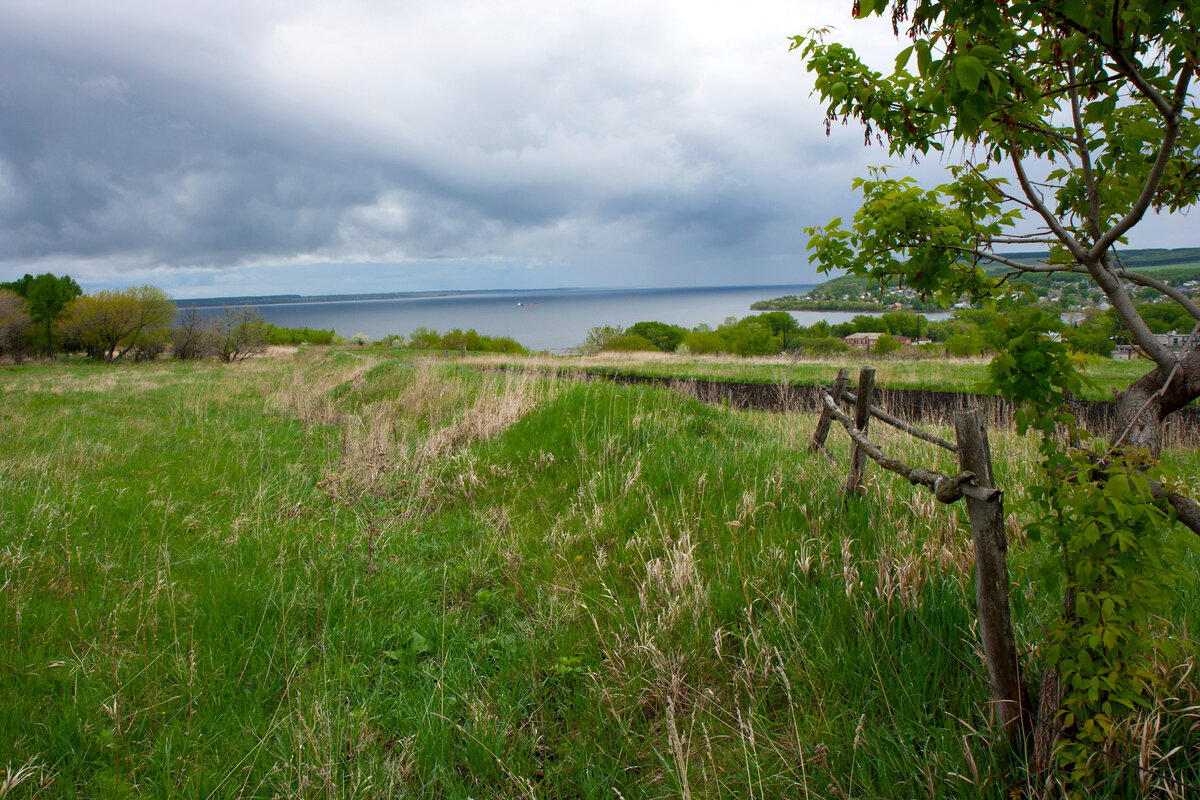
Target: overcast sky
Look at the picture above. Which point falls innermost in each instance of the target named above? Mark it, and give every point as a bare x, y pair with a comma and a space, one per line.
269, 147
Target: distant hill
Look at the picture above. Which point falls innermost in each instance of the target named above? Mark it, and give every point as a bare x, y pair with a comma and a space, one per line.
1133, 259
275, 299
852, 293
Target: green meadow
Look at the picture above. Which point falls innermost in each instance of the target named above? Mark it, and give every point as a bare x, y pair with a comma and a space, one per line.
1103, 376
336, 574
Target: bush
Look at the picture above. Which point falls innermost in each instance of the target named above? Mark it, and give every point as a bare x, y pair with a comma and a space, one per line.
15, 324
630, 343
598, 338
299, 335
886, 345
188, 337
818, 347
664, 337
238, 334
704, 342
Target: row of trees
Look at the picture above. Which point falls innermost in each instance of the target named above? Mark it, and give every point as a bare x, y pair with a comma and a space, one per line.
424, 338
48, 314
967, 333
759, 334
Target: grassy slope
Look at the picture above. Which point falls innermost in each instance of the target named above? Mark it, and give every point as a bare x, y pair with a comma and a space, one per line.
344, 575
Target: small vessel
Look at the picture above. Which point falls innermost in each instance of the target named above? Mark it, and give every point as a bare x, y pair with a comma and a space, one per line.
522, 305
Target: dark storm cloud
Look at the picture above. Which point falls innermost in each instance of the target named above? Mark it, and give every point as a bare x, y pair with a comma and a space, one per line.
141, 137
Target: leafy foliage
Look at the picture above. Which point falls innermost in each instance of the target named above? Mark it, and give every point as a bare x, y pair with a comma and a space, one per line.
109, 324
47, 296
1097, 93
1115, 556
238, 334
14, 323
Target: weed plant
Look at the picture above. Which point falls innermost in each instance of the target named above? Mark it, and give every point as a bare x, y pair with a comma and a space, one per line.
344, 574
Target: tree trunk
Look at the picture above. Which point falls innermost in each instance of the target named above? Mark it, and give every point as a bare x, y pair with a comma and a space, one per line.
1142, 407
1141, 410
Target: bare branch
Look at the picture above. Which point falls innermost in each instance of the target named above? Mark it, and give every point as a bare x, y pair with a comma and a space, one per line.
996, 188
1030, 239
1114, 289
1133, 72
995, 258
1186, 509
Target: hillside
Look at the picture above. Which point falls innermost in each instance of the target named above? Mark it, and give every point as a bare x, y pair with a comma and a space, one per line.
346, 574
851, 293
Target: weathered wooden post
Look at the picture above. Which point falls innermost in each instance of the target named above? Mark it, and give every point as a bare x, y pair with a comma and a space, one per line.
822, 431
862, 418
991, 578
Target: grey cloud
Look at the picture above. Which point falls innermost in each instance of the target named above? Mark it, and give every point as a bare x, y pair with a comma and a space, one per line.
144, 137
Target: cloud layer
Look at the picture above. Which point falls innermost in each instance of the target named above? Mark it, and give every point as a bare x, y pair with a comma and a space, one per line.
394, 145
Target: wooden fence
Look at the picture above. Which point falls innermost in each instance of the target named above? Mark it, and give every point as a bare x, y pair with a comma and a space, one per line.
985, 510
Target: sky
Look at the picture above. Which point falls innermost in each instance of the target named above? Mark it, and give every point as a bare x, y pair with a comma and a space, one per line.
293, 147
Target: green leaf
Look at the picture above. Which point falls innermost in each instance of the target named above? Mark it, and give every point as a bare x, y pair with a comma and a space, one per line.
969, 71
923, 57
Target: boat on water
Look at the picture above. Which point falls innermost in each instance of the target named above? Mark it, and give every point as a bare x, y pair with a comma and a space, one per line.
522, 305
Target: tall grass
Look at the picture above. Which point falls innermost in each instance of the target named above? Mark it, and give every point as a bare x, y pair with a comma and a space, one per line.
344, 574
940, 374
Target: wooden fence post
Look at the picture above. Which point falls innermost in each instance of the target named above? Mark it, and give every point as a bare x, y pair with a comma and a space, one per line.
991, 579
862, 418
839, 388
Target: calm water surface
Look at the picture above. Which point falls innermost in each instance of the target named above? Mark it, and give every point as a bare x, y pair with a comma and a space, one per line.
549, 319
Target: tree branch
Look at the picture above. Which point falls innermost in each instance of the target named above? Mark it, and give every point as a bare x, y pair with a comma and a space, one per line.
1085, 160
1133, 72
1165, 152
1035, 201
1179, 297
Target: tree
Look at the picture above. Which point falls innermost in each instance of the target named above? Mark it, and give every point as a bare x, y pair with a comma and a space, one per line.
423, 338
110, 323
781, 324
1070, 119
597, 338
46, 295
664, 337
752, 338
705, 342
188, 336
14, 323
1085, 102
885, 345
238, 334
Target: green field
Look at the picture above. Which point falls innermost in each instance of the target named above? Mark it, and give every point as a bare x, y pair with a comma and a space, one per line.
342, 574
1104, 375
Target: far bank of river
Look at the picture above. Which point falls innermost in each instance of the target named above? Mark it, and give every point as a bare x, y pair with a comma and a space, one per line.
552, 319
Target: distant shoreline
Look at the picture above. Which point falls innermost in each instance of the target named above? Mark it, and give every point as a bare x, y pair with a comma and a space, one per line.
293, 299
